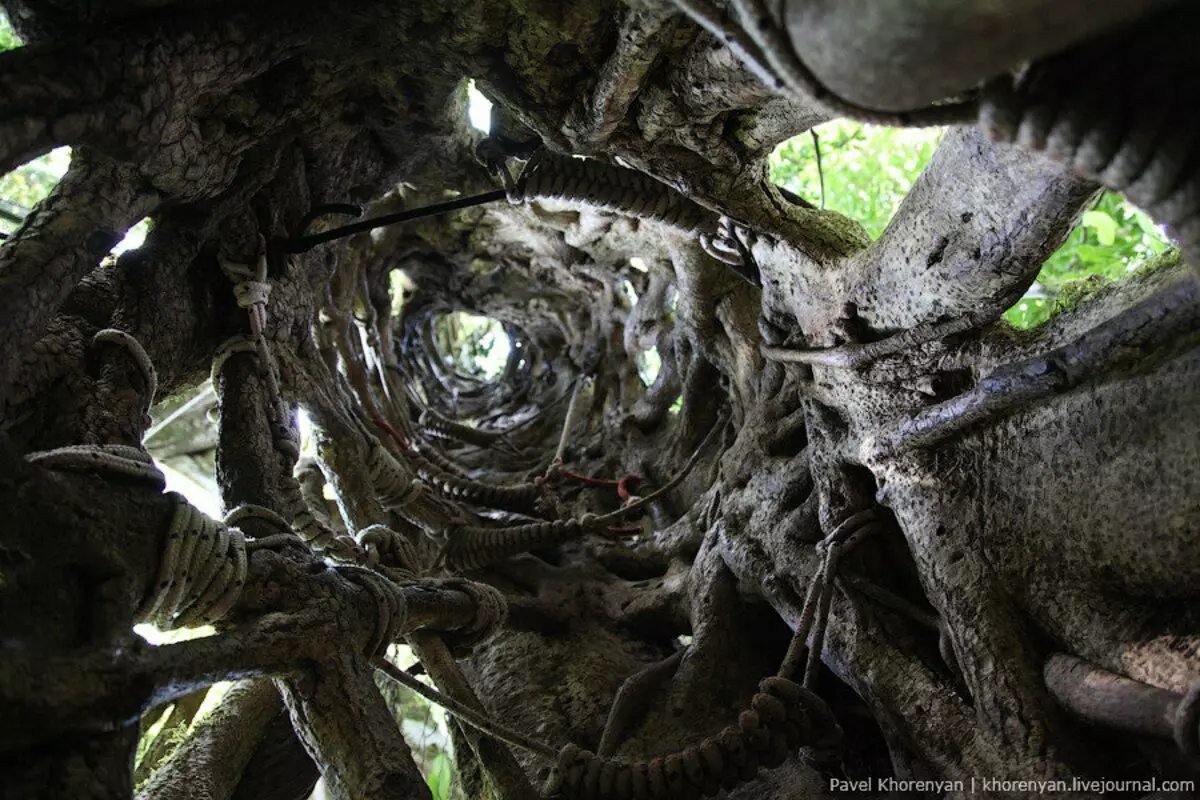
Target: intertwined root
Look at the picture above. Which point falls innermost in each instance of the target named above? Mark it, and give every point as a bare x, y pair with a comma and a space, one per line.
782, 717
1134, 132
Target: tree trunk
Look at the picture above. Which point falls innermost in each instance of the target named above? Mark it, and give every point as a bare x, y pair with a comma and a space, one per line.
857, 534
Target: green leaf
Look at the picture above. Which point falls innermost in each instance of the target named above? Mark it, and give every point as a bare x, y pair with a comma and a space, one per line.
1104, 226
8, 37
440, 777
1029, 313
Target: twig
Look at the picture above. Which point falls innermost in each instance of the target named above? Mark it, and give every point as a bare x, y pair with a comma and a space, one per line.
820, 169
568, 424
468, 715
584, 479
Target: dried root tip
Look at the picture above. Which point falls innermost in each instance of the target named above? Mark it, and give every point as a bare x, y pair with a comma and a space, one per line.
138, 353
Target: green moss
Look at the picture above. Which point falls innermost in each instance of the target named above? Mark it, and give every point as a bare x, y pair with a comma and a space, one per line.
1031, 313
1113, 241
1075, 292
1168, 259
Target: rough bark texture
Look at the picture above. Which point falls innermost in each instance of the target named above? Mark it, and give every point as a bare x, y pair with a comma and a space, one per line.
1029, 494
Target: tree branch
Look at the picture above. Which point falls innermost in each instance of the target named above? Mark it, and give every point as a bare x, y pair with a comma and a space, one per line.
346, 726
1110, 345
643, 35
208, 764
113, 92
62, 240
975, 229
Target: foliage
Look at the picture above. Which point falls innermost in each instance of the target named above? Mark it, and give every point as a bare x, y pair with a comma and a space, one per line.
441, 777
148, 736
8, 37
869, 169
23, 188
649, 363
1112, 239
477, 346
26, 186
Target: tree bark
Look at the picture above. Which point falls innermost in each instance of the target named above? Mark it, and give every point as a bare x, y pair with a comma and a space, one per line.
845, 439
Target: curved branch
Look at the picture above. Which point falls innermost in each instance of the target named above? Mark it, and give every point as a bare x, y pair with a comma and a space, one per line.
60, 242
1127, 705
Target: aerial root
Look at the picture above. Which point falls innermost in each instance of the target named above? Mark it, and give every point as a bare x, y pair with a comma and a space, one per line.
1124, 704
783, 717
201, 573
